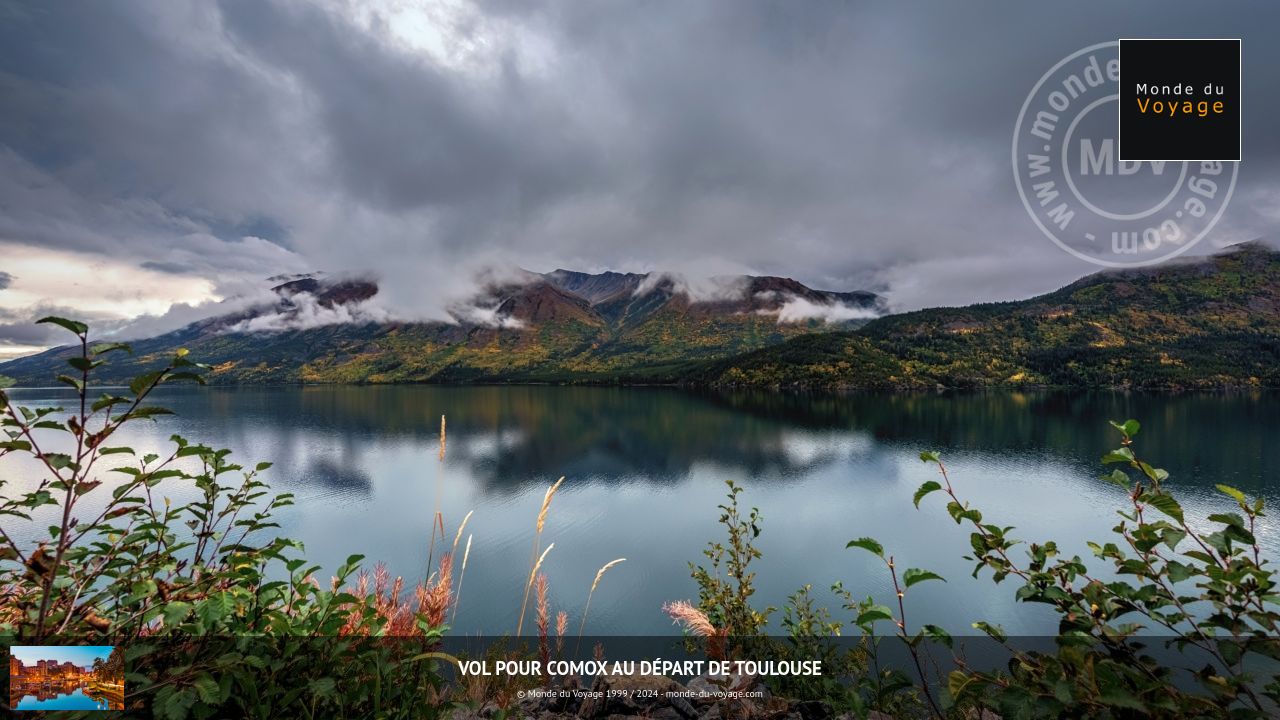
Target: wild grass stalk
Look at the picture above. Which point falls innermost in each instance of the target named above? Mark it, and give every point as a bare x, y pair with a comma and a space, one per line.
434, 599
461, 527
537, 544
544, 622
437, 520
696, 623
562, 625
533, 573
594, 583
457, 596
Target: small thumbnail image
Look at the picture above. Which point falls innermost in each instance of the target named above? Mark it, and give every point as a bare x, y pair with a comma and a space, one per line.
66, 677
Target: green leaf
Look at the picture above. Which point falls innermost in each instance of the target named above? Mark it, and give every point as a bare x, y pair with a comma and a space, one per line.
176, 704
1128, 427
1117, 477
144, 381
929, 456
1172, 536
73, 382
1165, 504
186, 376
208, 690
1232, 519
175, 612
322, 686
1177, 571
1154, 472
957, 683
58, 461
1123, 454
105, 348
994, 631
214, 608
937, 633
1119, 697
74, 326
82, 364
924, 490
916, 575
868, 544
874, 614
1230, 491
148, 411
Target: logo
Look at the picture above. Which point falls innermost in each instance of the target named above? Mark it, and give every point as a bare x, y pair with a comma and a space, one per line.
1085, 199
1179, 99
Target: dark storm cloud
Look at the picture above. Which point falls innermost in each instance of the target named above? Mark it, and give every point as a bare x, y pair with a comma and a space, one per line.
25, 332
842, 144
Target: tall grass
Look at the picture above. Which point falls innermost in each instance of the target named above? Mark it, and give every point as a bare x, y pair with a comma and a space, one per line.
437, 520
528, 585
587, 608
537, 544
457, 597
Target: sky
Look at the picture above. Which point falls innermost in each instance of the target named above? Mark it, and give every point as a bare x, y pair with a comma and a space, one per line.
162, 158
81, 655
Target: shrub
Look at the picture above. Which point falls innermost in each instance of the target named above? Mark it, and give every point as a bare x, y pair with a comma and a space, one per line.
1202, 585
217, 617
1183, 624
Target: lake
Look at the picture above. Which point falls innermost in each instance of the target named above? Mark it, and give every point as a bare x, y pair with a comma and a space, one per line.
645, 470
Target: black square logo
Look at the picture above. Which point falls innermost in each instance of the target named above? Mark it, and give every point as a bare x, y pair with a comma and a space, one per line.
1179, 100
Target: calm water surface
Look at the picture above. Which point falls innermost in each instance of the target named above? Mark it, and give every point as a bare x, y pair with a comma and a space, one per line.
645, 469
74, 700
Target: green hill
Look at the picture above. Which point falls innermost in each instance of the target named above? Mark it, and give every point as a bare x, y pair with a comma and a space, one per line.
1195, 324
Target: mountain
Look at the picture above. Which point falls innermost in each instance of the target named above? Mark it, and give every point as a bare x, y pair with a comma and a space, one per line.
562, 326
1205, 323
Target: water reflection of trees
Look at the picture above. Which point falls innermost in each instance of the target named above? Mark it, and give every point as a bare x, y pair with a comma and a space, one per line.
1201, 437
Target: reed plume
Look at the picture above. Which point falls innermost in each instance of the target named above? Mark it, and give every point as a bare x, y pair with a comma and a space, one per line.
434, 599
599, 574
562, 624
437, 519
691, 618
697, 623
546, 504
457, 596
461, 527
529, 584
544, 620
537, 543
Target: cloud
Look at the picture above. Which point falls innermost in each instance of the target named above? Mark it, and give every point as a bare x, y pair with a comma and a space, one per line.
490, 317
20, 328
92, 285
5, 279
306, 311
846, 145
698, 289
798, 309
